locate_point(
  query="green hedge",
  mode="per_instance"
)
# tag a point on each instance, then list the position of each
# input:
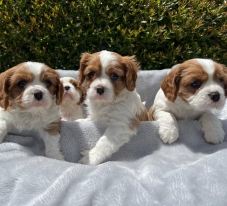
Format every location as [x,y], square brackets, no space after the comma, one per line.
[160,33]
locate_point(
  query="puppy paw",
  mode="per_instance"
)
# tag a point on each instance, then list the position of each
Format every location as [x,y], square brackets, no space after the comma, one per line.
[212,128]
[214,136]
[90,158]
[169,135]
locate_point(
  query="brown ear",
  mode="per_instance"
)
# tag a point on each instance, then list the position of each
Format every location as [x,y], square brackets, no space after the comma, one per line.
[59,93]
[225,80]
[59,86]
[83,94]
[83,63]
[132,67]
[4,87]
[170,84]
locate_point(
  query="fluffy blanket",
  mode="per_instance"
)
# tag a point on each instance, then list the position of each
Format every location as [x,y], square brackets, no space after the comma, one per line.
[143,172]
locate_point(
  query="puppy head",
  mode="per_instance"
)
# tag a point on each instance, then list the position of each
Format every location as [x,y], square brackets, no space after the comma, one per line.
[72,90]
[30,85]
[201,83]
[107,74]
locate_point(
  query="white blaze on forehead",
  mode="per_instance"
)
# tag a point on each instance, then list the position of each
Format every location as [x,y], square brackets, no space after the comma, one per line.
[36,68]
[65,79]
[208,66]
[107,58]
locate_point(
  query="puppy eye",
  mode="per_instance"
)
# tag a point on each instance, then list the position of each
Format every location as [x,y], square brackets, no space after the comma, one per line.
[91,74]
[114,76]
[221,80]
[48,83]
[196,84]
[75,85]
[22,83]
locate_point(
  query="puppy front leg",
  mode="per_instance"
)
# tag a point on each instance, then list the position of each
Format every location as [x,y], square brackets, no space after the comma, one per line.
[5,127]
[109,143]
[212,128]
[52,144]
[168,126]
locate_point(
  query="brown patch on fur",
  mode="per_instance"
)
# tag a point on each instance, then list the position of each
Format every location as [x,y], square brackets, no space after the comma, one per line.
[56,87]
[143,115]
[220,75]
[89,63]
[194,72]
[10,91]
[134,124]
[118,84]
[150,114]
[80,88]
[53,128]
[178,81]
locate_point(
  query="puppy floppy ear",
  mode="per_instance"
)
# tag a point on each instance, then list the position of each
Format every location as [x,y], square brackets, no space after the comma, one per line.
[170,84]
[59,93]
[225,80]
[83,63]
[83,94]
[59,90]
[132,67]
[4,87]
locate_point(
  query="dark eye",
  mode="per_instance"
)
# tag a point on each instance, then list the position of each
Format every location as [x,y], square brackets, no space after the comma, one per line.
[91,74]
[22,83]
[196,84]
[48,83]
[74,84]
[221,80]
[114,76]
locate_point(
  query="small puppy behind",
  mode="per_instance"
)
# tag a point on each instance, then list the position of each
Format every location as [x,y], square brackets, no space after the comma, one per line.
[189,92]
[74,95]
[29,97]
[111,100]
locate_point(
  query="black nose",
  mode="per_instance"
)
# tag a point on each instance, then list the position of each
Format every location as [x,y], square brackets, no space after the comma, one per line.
[67,88]
[38,95]
[100,90]
[214,96]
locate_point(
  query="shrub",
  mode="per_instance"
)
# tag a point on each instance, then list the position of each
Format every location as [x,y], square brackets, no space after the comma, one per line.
[160,33]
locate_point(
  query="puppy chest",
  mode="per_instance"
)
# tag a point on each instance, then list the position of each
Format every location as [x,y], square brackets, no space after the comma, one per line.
[29,121]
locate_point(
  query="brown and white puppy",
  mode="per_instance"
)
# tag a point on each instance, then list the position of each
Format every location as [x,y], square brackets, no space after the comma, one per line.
[74,95]
[189,92]
[29,97]
[111,100]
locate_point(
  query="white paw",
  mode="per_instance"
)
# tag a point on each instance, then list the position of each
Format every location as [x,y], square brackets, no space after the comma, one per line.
[90,158]
[214,136]
[169,135]
[212,128]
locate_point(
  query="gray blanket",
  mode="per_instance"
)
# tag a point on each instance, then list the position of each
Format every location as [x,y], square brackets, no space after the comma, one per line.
[143,172]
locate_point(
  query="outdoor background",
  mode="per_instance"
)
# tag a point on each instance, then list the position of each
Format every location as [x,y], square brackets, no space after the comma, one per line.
[159,33]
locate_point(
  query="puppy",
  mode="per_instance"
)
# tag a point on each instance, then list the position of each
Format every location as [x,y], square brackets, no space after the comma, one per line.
[189,92]
[111,100]
[29,97]
[74,95]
